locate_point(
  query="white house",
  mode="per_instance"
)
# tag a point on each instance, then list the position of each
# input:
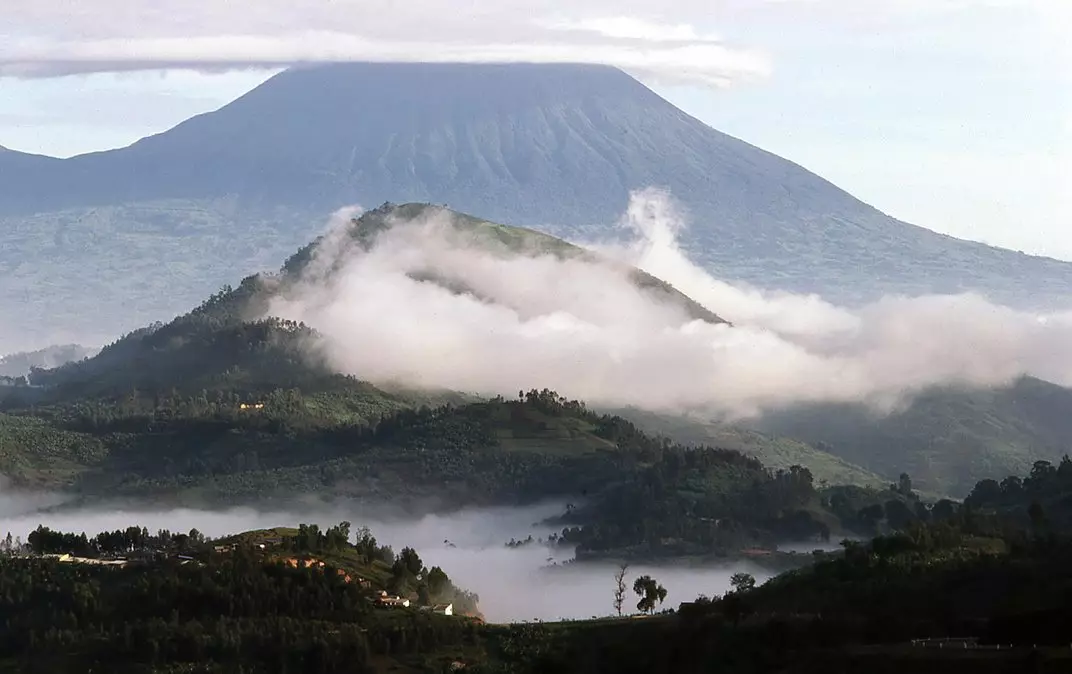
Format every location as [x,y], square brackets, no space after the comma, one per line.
[388,600]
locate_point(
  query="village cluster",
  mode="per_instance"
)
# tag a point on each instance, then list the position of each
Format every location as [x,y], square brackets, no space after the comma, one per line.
[383,599]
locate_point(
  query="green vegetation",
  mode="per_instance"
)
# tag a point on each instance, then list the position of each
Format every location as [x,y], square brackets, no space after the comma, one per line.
[946,438]
[221,405]
[772,451]
[265,601]
[1041,501]
[969,593]
[636,494]
[960,588]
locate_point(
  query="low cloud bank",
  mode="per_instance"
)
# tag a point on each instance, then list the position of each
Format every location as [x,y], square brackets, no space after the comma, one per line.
[16,503]
[585,329]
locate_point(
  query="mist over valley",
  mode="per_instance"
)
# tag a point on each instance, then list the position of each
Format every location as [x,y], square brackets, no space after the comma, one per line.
[526,583]
[595,387]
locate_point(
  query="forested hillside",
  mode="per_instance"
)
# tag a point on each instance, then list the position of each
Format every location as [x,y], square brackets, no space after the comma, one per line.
[959,589]
[681,500]
[278,600]
[226,404]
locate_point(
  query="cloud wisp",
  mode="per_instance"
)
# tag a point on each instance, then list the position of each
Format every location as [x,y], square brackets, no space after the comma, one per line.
[51,38]
[494,323]
[677,40]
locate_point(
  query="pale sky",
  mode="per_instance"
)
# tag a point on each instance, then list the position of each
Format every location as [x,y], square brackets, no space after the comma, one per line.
[951,114]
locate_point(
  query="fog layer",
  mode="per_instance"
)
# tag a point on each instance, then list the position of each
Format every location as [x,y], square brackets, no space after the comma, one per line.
[514,584]
[584,329]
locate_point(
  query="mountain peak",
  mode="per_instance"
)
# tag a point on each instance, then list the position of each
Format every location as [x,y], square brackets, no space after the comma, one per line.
[463,88]
[559,148]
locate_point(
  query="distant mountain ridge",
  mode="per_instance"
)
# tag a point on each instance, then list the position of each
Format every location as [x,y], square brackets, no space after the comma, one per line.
[20,364]
[111,240]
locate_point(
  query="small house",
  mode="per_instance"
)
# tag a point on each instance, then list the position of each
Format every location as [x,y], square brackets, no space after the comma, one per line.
[391,601]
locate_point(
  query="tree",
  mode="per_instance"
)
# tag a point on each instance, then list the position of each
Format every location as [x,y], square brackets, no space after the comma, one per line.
[904,485]
[438,582]
[733,607]
[1037,516]
[898,515]
[411,561]
[619,592]
[986,492]
[944,510]
[650,593]
[742,582]
[872,515]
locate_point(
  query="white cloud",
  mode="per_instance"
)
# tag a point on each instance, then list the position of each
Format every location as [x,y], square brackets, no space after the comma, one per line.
[584,329]
[51,37]
[671,40]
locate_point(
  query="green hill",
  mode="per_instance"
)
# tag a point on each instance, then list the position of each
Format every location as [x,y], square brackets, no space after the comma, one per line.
[228,343]
[773,451]
[946,439]
[276,600]
[223,404]
[186,450]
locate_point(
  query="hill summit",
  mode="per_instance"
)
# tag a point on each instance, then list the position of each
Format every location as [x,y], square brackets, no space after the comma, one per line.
[235,339]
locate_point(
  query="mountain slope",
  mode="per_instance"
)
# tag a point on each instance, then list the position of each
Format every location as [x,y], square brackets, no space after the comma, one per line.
[772,451]
[554,146]
[19,364]
[946,439]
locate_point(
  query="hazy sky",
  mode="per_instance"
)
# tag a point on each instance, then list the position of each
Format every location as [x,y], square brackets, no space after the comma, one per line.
[952,114]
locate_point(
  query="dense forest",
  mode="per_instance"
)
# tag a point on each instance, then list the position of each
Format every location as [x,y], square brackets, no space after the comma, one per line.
[635,493]
[972,587]
[277,600]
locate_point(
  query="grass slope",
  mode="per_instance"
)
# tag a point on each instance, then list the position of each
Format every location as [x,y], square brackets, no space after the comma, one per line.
[946,439]
[772,451]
